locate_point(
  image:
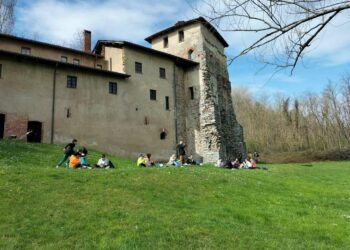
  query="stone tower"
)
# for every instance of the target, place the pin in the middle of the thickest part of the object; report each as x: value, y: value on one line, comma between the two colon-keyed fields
x: 205, y: 118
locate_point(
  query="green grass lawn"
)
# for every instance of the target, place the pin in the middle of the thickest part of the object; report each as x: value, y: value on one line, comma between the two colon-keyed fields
x: 291, y: 206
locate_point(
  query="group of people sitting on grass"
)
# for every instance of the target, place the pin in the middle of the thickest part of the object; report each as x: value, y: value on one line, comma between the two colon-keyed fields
x: 179, y: 159
x: 77, y: 159
x: 249, y: 163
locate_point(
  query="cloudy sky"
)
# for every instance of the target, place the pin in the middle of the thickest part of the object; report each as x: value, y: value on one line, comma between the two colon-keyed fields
x: 57, y: 21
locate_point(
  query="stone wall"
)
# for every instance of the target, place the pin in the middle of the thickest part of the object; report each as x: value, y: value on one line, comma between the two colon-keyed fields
x: 222, y: 134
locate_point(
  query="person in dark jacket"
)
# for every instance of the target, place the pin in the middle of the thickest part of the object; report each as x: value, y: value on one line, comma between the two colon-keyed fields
x: 68, y: 151
x: 180, y: 152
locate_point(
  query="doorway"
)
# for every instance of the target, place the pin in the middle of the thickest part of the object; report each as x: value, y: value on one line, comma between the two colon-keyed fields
x: 2, y: 125
x: 34, y: 131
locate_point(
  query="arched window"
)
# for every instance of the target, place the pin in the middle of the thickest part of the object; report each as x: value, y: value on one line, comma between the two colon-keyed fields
x: 190, y: 54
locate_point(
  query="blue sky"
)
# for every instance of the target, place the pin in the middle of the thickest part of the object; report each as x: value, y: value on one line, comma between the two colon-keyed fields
x: 57, y: 21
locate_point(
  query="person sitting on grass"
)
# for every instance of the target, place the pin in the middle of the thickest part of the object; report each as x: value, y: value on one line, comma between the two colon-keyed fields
x: 74, y: 160
x: 148, y: 161
x: 246, y: 164
x: 190, y: 161
x: 173, y: 161
x: 83, y: 153
x: 104, y: 162
x: 68, y: 151
x: 253, y: 163
x: 235, y: 163
x: 141, y: 162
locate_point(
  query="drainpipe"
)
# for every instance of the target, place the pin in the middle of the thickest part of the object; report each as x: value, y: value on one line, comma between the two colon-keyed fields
x: 175, y: 103
x: 53, y: 103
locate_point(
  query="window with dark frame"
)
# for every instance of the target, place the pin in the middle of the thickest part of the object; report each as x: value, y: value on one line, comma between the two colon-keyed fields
x: 153, y: 94
x: 113, y: 88
x: 72, y: 82
x: 167, y: 107
x: 163, y: 135
x: 64, y: 59
x: 76, y: 61
x: 165, y: 42
x: 138, y: 67
x: 191, y: 93
x: 181, y: 36
x: 162, y: 73
x: 25, y: 51
x: 98, y: 66
x: 0, y: 70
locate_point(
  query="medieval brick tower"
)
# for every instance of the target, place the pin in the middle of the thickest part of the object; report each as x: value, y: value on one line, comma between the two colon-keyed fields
x: 205, y: 118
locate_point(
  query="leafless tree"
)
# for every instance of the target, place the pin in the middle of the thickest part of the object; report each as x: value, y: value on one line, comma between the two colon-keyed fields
x: 78, y: 40
x: 282, y: 29
x: 7, y: 17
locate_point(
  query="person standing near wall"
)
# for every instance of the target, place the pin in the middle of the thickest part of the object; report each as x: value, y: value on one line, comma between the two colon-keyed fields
x: 68, y: 151
x: 180, y: 152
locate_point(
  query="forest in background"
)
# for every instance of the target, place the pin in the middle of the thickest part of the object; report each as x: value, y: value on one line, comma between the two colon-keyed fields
x: 316, y: 124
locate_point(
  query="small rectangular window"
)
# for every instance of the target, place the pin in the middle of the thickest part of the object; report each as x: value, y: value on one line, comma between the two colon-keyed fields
x: 181, y: 36
x: 98, y: 66
x: 191, y: 93
x: 64, y: 59
x: 165, y: 42
x: 72, y: 82
x: 0, y: 70
x: 113, y: 88
x: 162, y: 73
x: 76, y: 61
x: 153, y: 94
x: 25, y: 51
x: 138, y: 67
x: 190, y: 54
x: 167, y: 107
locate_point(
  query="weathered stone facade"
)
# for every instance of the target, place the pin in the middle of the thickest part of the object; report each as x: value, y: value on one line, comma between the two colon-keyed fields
x: 207, y: 122
x: 192, y: 99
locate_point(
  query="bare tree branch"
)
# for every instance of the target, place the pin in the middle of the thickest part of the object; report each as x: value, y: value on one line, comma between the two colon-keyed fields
x: 288, y: 27
x: 7, y: 17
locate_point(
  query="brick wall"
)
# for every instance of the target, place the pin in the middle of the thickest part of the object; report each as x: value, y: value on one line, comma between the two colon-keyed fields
x: 15, y: 125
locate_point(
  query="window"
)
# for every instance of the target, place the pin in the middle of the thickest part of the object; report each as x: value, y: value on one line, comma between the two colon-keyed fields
x: 191, y: 93
x: 153, y: 94
x: 165, y: 42
x: 167, y: 103
x: 25, y: 51
x: 162, y: 73
x: 76, y: 61
x: 190, y: 54
x: 98, y: 66
x: 0, y: 70
x: 162, y: 135
x: 138, y: 67
x: 72, y: 82
x: 64, y: 59
x: 181, y: 36
x: 113, y: 88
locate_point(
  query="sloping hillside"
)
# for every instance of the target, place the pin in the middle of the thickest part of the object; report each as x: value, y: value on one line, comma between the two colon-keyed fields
x: 287, y: 207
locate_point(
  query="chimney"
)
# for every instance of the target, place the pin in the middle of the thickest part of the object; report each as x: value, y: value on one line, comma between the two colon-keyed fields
x: 87, y: 41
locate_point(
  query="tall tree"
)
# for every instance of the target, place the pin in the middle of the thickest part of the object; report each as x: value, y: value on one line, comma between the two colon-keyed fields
x: 285, y: 28
x: 7, y: 17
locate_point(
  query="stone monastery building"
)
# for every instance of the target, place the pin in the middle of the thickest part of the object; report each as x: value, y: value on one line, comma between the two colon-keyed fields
x: 123, y: 98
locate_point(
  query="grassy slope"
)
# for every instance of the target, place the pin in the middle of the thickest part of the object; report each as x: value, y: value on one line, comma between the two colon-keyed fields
x: 286, y: 207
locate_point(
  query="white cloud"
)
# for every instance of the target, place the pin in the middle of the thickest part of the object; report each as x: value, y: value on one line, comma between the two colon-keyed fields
x: 57, y: 21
